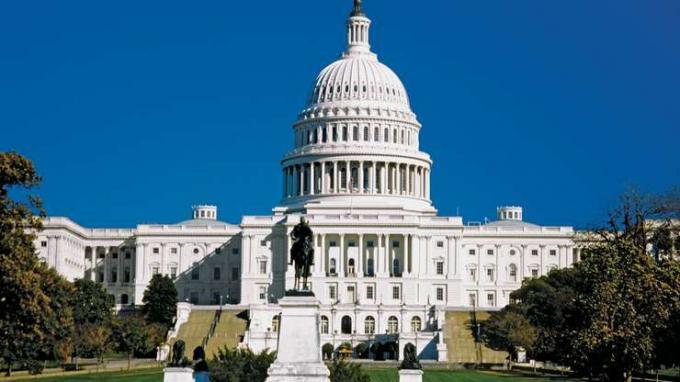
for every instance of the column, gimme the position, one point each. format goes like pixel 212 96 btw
pixel 294 190
pixel 427 184
pixel 341 260
pixel 348 178
pixel 323 177
pixel 301 187
pixel 407 174
pixel 312 179
pixel 398 181
pixel 93 263
pixel 542 252
pixel 521 262
pixel 360 262
pixel 361 177
pixel 335 177
pixel 285 186
pixel 321 259
pixel 245 256
pixel 385 255
pixel 451 256
pixel 497 269
pixel 374 172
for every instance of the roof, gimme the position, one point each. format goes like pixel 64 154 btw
pixel 204 223
pixel 511 223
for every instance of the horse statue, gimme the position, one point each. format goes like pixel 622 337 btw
pixel 302 253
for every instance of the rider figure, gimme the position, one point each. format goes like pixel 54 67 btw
pixel 302 251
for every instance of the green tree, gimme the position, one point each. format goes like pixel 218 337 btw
pixel 132 335
pixel 342 371
pixel 27 317
pixel 327 350
pixel 160 301
pixel 92 304
pixel 508 330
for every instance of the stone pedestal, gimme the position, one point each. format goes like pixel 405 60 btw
pixel 178 374
pixel 299 352
pixel 201 376
pixel 407 375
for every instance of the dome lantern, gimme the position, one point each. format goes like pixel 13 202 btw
pixel 358 26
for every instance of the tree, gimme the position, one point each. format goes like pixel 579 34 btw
pixel 26 315
pixel 92 304
pixel 362 350
pixel 160 301
pixel 134 336
pixel 342 371
pixel 327 350
pixel 508 330
pixel 98 340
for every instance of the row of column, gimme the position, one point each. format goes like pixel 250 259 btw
pixel 333 134
pixel 362 177
pixel 107 267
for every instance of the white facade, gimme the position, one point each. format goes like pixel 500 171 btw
pixel 385 263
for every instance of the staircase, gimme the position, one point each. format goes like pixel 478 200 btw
pixel 212 329
pixel 460 339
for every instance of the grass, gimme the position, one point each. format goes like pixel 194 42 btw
pixel 391 375
pixel 377 375
pixel 143 375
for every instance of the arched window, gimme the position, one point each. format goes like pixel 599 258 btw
pixel 376 134
pixel 323 325
pixel 344 133
pixel 350 266
pixel 369 325
pixel 512 272
pixel 369 266
pixel 332 268
pixel 416 324
pixel 275 323
pixel 124 299
pixel 386 135
pixel 366 133
pixel 402 137
pixel 355 136
pixel 395 267
pixel 346 325
pixel 392 325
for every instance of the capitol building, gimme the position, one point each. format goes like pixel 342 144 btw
pixel 386 264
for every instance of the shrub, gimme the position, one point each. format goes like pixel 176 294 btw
pixel 240 365
pixel 342 371
pixel 362 350
pixel 327 351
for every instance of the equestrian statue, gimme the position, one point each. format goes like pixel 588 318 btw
pixel 302 253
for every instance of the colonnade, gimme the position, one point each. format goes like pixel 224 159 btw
pixel 362 177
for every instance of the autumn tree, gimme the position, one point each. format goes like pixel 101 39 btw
pixel 509 330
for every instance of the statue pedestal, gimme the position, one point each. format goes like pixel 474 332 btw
pixel 178 374
pixel 299 351
pixel 410 375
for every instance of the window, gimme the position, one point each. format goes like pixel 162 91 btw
pixel 395 268
pixel 173 250
pixel 173 273
pixel 512 272
pixel 534 272
pixel 416 324
pixel 196 251
pixel 472 272
pixel 217 273
pixel 193 298
pixel 323 325
pixel 128 255
pixel 350 266
pixel 491 299
pixel 332 244
pixel 100 276
pixel 263 267
pixel 216 298
pixel 472 252
pixel 218 250
pixel 263 243
pixel 440 244
pixel 43 244
pixel 396 293
pixel 234 273
pixel 234 251
pixel 195 272
pixel 440 267
pixel 489 274
pixel 392 325
pixel 351 294
pixel 332 293
pixel 114 255
pixel 155 270
pixel 346 325
pixel 369 325
pixel 395 244
pixel 534 252
pixel 126 275
pixel 332 269
pixel 351 244
pixel 369 292
pixel 553 252
pixel 489 251
pixel 156 251
pixel 263 293
pixel 124 299
pixel 114 275
pixel 101 255
pixel 275 323
pixel 513 252
pixel 440 294
pixel 370 244
pixel 369 267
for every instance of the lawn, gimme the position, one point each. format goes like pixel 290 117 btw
pixel 377 375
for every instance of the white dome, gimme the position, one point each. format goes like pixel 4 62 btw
pixel 358 77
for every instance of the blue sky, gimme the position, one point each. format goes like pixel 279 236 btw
pixel 133 111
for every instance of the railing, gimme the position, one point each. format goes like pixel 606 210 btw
pixel 213 326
